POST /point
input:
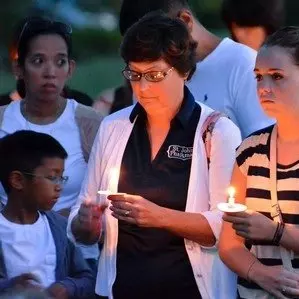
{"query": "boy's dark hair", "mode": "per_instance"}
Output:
(24, 151)
(156, 36)
(133, 10)
(269, 14)
(287, 38)
(30, 28)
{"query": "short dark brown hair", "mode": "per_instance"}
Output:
(156, 36)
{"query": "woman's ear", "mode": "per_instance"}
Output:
(72, 68)
(17, 70)
(186, 16)
(186, 76)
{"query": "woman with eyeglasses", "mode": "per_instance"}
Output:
(161, 228)
(44, 64)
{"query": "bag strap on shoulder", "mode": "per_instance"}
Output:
(207, 131)
(286, 255)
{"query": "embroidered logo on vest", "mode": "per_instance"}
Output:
(180, 152)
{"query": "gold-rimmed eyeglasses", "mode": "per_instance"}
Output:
(151, 76)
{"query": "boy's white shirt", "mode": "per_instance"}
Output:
(29, 248)
(206, 190)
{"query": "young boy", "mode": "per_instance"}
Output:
(34, 249)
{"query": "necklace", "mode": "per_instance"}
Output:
(59, 110)
(47, 127)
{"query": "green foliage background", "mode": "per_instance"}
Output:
(96, 51)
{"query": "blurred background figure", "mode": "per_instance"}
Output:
(250, 22)
(69, 11)
(114, 99)
(17, 93)
(96, 49)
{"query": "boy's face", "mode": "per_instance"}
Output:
(43, 188)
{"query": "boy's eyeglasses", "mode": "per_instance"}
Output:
(152, 76)
(57, 180)
(41, 25)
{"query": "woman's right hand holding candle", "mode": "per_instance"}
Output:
(87, 225)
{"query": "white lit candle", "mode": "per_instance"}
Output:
(231, 198)
(112, 183)
(231, 206)
(113, 179)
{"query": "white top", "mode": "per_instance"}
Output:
(206, 190)
(29, 248)
(225, 81)
(66, 131)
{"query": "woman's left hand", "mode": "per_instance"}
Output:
(252, 225)
(135, 210)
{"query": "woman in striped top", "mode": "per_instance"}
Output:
(262, 244)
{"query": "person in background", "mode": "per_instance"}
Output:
(160, 237)
(35, 251)
(262, 244)
(12, 95)
(44, 65)
(224, 78)
(250, 22)
(67, 92)
(8, 97)
(19, 93)
(114, 99)
(80, 97)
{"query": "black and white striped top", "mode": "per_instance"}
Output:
(253, 159)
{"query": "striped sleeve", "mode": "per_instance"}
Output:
(257, 144)
(254, 161)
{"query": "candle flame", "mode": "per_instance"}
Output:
(114, 174)
(113, 178)
(231, 199)
(112, 183)
(231, 191)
